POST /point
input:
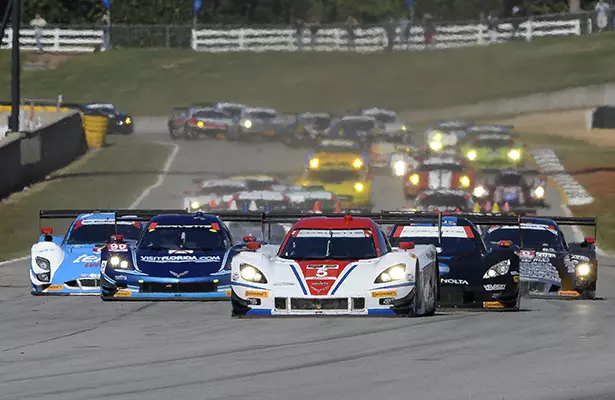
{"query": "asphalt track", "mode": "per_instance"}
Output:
(82, 348)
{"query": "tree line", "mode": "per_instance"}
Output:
(277, 12)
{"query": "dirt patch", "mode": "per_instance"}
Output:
(47, 60)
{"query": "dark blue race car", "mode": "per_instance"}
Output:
(178, 256)
(471, 275)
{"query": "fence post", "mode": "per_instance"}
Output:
(529, 29)
(577, 27)
(241, 39)
(167, 35)
(56, 39)
(9, 37)
(336, 36)
(480, 40)
(193, 40)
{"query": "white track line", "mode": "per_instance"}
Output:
(135, 204)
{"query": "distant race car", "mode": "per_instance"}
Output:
(309, 128)
(494, 151)
(199, 121)
(259, 200)
(70, 264)
(358, 128)
(438, 173)
(517, 187)
(119, 121)
(337, 153)
(334, 266)
(257, 182)
(233, 110)
(313, 199)
(392, 129)
(471, 275)
(212, 193)
(258, 123)
(549, 265)
(405, 158)
(444, 200)
(446, 134)
(179, 256)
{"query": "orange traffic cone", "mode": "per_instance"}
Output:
(212, 203)
(506, 207)
(338, 207)
(317, 207)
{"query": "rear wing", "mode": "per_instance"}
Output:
(576, 221)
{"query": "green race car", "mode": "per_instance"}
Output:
(493, 151)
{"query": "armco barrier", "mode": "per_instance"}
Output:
(95, 130)
(33, 155)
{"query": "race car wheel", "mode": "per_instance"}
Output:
(589, 294)
(417, 308)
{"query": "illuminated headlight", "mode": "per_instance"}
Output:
(471, 155)
(200, 124)
(435, 145)
(314, 163)
(124, 264)
(251, 273)
(399, 167)
(414, 179)
(357, 163)
(128, 120)
(514, 154)
(404, 128)
(115, 261)
(539, 192)
(359, 187)
(465, 181)
(195, 205)
(43, 263)
(479, 191)
(498, 269)
(247, 124)
(583, 269)
(437, 137)
(391, 274)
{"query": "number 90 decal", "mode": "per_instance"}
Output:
(117, 247)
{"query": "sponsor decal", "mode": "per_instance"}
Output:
(495, 287)
(123, 293)
(421, 231)
(55, 287)
(492, 304)
(261, 294)
(103, 266)
(180, 259)
(568, 293)
(235, 276)
(322, 271)
(87, 258)
(384, 293)
(228, 292)
(120, 247)
(181, 251)
(284, 284)
(454, 281)
(178, 274)
(319, 286)
(516, 279)
(121, 277)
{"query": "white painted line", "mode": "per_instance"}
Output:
(160, 180)
(14, 260)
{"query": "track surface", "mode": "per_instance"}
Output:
(82, 348)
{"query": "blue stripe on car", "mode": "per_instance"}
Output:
(248, 286)
(298, 278)
(394, 286)
(343, 279)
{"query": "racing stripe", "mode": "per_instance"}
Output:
(298, 278)
(343, 279)
(394, 286)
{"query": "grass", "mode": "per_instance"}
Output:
(111, 177)
(594, 168)
(150, 82)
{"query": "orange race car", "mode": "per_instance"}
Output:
(438, 173)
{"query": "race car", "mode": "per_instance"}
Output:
(444, 200)
(549, 265)
(233, 110)
(471, 275)
(494, 151)
(119, 121)
(405, 158)
(392, 130)
(212, 193)
(358, 128)
(257, 182)
(70, 264)
(179, 256)
(446, 134)
(517, 187)
(259, 123)
(472, 132)
(317, 199)
(309, 128)
(199, 121)
(334, 266)
(337, 153)
(438, 173)
(259, 200)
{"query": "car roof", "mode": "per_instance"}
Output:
(185, 219)
(259, 109)
(337, 143)
(258, 178)
(335, 223)
(358, 118)
(538, 221)
(212, 183)
(446, 220)
(94, 216)
(376, 110)
(493, 136)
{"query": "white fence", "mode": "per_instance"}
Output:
(326, 39)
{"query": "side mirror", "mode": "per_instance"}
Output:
(505, 243)
(117, 238)
(406, 245)
(588, 241)
(254, 246)
(249, 238)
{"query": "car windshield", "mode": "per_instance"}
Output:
(185, 237)
(455, 239)
(494, 143)
(509, 180)
(210, 114)
(532, 238)
(233, 111)
(335, 175)
(97, 232)
(443, 200)
(329, 244)
(351, 125)
(337, 149)
(385, 118)
(261, 115)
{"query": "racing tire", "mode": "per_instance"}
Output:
(175, 133)
(589, 294)
(416, 309)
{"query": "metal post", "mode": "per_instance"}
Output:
(15, 78)
(5, 19)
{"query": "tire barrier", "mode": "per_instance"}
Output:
(95, 130)
(550, 165)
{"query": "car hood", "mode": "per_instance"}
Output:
(179, 264)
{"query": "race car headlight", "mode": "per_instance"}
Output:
(314, 163)
(118, 262)
(414, 179)
(357, 163)
(465, 181)
(435, 145)
(128, 120)
(43, 277)
(359, 187)
(247, 124)
(43, 263)
(479, 191)
(391, 274)
(514, 154)
(471, 155)
(251, 273)
(583, 269)
(539, 192)
(200, 124)
(498, 269)
(399, 167)
(195, 205)
(404, 128)
(437, 137)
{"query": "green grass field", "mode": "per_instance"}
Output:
(150, 82)
(111, 177)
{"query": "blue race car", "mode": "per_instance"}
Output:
(70, 264)
(179, 256)
(551, 267)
